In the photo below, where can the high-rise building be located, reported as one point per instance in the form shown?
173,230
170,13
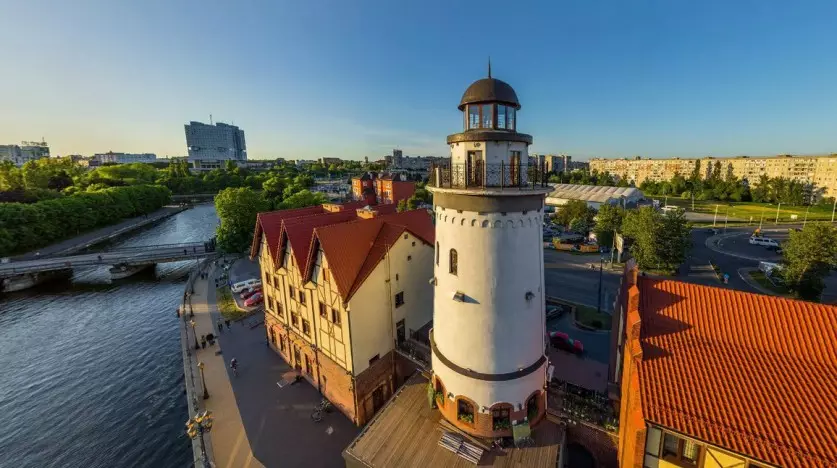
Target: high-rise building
397,158
218,142
27,151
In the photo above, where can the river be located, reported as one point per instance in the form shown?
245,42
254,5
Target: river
91,373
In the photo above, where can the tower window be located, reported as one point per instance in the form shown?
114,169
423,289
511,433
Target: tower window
487,114
501,116
465,412
473,116
454,262
510,118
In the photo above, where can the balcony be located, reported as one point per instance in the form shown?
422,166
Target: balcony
488,176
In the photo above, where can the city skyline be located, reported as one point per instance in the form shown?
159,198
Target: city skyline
661,80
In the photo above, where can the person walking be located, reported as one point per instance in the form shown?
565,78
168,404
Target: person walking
220,326
227,321
203,341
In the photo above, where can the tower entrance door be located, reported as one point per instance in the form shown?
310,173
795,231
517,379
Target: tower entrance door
474,168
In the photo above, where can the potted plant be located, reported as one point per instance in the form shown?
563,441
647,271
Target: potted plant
502,425
465,417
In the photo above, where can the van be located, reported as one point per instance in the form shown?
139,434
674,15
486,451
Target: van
763,241
242,285
669,209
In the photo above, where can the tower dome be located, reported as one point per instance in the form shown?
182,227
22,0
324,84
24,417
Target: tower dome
489,90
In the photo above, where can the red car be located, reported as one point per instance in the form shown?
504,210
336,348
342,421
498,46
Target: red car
248,293
254,300
561,340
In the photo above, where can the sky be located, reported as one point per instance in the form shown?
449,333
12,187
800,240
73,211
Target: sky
308,79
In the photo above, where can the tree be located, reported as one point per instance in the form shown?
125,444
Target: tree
237,208
273,187
659,240
696,177
10,177
608,220
580,226
402,206
59,181
808,257
761,191
414,202
302,199
574,209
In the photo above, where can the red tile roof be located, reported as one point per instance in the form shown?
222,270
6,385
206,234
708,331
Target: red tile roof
269,224
751,373
353,250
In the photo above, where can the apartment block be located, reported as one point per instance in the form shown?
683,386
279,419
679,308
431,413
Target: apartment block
343,286
714,378
819,170
27,151
382,188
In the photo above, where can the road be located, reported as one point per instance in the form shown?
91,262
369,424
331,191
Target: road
568,276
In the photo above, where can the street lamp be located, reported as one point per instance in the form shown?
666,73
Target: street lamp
777,212
715,219
196,427
203,381
194,332
601,273
806,216
833,209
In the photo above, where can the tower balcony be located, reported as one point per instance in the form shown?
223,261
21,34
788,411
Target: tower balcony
479,175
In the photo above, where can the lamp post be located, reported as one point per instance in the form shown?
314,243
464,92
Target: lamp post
196,427
777,212
194,332
726,220
833,209
203,381
762,219
715,219
806,216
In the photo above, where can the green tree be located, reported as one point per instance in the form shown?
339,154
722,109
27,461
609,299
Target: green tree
302,199
580,226
673,239
574,209
414,202
659,241
402,206
761,191
11,178
808,257
237,208
273,187
608,221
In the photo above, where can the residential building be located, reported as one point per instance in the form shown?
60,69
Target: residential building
594,195
27,151
712,377
382,188
397,158
819,170
124,158
556,163
487,344
329,161
342,286
218,142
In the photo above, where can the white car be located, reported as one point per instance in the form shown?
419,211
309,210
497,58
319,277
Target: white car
763,241
242,285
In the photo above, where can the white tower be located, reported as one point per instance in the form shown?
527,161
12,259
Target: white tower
489,353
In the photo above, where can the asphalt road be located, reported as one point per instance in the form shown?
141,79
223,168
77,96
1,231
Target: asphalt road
569,277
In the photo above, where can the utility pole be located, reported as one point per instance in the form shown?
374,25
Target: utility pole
806,216
762,219
693,200
833,209
715,220
777,212
601,272
726,220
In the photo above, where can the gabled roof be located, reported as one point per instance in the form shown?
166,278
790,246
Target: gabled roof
751,373
269,224
354,249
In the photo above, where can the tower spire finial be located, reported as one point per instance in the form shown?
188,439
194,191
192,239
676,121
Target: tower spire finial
489,66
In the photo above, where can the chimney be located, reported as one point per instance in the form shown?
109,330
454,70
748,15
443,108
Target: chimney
366,213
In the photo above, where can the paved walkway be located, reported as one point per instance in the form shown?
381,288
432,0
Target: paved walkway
230,446
94,237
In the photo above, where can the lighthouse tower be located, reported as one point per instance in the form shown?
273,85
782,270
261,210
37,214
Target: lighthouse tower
488,346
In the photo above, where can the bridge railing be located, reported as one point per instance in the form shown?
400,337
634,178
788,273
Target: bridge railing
8,269
185,245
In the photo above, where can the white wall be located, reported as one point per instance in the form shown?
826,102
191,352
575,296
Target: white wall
372,312
495,329
485,393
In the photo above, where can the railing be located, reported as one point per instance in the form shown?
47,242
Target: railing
575,404
60,263
480,175
416,351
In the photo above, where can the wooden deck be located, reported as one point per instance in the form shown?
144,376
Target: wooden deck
406,434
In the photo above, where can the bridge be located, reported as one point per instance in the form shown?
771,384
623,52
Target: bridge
124,262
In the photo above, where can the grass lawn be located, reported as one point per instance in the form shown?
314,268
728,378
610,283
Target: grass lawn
226,304
751,210
759,277
590,317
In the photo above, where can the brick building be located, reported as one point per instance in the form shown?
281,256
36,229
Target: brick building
342,285
385,188
711,377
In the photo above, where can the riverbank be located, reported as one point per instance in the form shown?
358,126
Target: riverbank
101,235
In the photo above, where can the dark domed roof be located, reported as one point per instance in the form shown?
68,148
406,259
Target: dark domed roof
489,90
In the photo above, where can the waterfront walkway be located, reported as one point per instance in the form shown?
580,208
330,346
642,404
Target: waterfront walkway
102,234
257,422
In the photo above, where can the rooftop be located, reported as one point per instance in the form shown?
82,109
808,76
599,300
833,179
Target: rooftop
406,433
751,373
593,193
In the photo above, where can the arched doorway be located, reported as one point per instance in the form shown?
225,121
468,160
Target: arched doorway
579,457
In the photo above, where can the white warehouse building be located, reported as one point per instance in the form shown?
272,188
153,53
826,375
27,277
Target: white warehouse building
594,195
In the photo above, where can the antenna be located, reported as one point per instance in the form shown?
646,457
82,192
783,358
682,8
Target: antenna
210,119
489,66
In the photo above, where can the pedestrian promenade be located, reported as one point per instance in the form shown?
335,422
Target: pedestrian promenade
230,446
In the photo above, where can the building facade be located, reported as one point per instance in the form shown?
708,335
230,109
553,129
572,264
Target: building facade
381,188
488,350
124,158
27,151
701,384
342,287
220,142
819,170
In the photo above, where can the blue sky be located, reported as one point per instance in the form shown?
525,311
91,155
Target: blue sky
307,79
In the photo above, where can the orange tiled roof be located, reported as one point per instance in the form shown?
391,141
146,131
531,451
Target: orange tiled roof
354,249
269,224
751,373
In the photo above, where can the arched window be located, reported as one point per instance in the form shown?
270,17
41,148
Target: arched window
454,262
437,254
465,411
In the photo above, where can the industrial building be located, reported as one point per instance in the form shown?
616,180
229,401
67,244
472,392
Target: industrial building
593,195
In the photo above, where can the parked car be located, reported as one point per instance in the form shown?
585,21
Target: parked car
763,241
242,285
255,299
250,291
561,340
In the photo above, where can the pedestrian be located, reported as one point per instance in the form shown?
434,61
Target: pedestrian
220,326
203,341
227,321
194,250
185,252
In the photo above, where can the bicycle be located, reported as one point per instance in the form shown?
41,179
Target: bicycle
323,407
